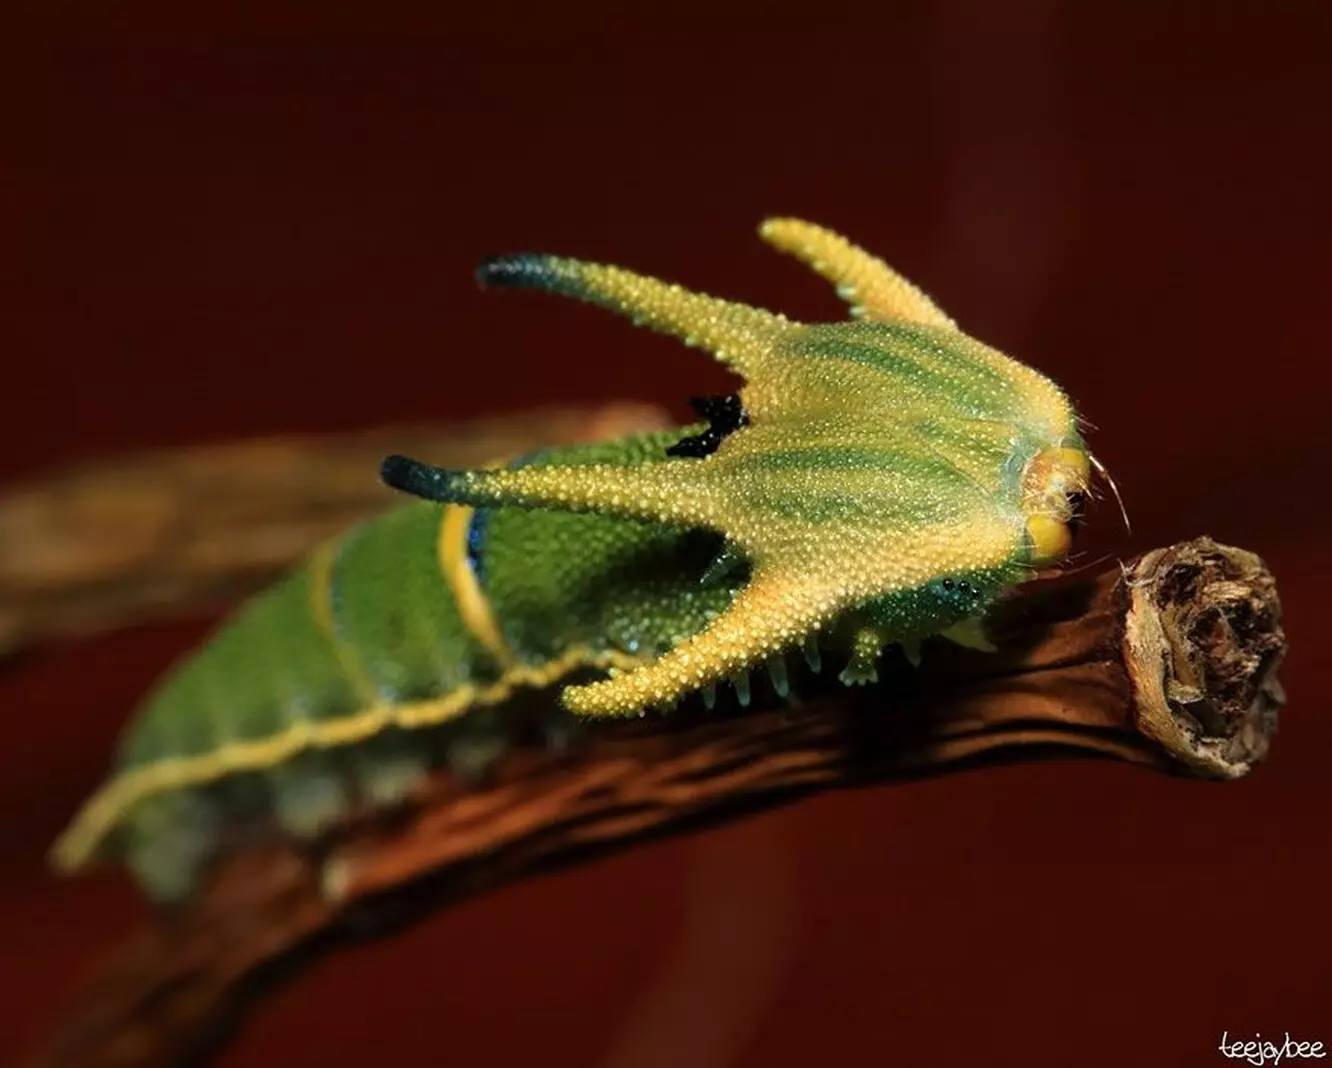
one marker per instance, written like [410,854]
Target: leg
[866,648]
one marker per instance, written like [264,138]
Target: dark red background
[267,223]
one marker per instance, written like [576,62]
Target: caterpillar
[875,481]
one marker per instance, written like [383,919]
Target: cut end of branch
[1203,642]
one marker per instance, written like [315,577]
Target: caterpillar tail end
[66,857]
[80,842]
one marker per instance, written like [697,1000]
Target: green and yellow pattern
[894,476]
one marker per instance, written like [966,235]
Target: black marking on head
[725,415]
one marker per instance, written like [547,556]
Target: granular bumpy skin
[875,482]
[890,470]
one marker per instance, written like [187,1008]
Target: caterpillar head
[1054,485]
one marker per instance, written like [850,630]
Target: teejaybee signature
[876,482]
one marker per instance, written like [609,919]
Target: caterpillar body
[875,482]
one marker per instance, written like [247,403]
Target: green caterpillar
[876,481]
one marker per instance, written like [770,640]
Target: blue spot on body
[476,541]
[480,523]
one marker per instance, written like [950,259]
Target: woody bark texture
[176,531]
[1168,662]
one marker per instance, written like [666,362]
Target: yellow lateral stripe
[76,846]
[321,607]
[475,610]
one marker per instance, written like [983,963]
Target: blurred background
[265,220]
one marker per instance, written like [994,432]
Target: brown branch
[1169,664]
[174,531]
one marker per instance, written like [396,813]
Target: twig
[190,530]
[1169,663]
